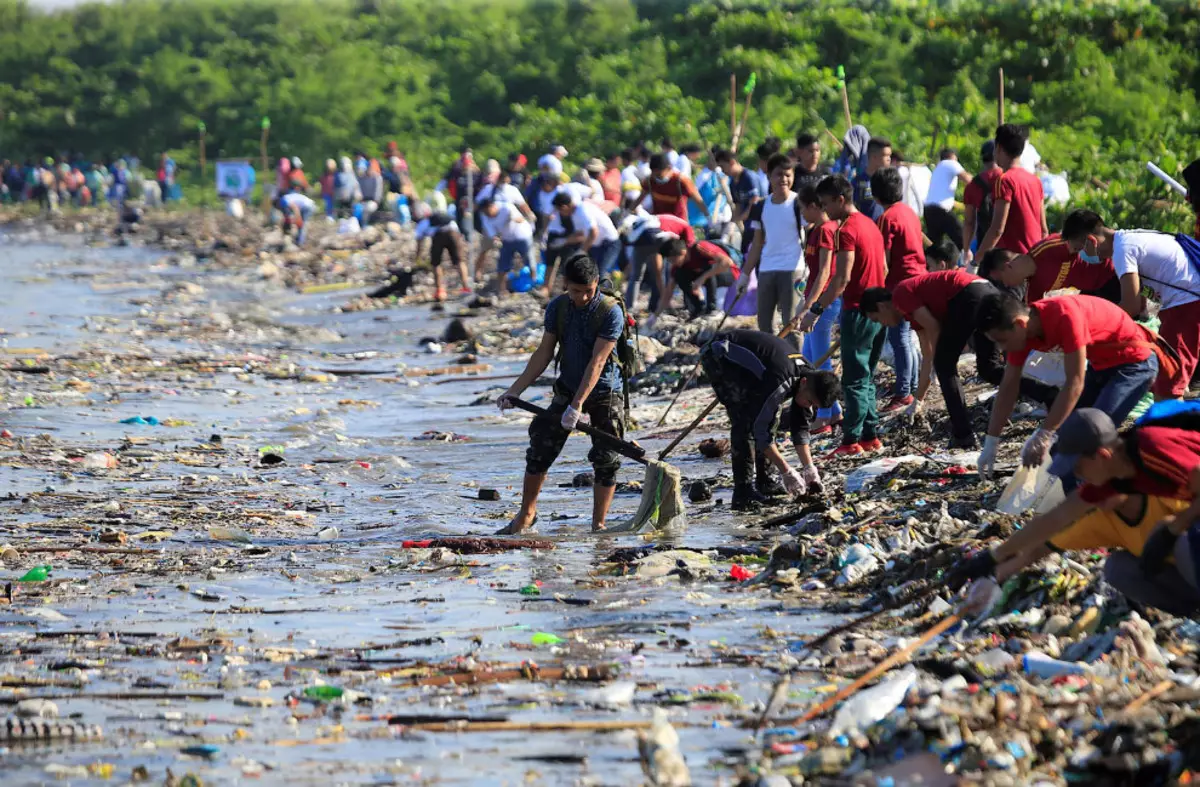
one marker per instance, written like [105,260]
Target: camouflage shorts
[606,412]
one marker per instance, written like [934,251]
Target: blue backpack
[1191,247]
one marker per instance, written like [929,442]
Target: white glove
[505,401]
[794,483]
[570,418]
[743,283]
[813,479]
[982,597]
[650,321]
[1036,447]
[807,322]
[913,410]
[987,457]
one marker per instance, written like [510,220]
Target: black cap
[1085,432]
[988,151]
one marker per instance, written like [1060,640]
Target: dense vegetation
[1105,85]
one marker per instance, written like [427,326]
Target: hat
[988,151]
[594,165]
[297,163]
[1085,432]
[560,151]
[493,165]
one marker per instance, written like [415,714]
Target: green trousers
[862,344]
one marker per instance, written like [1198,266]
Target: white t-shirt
[783,249]
[915,178]
[425,229]
[684,165]
[944,184]
[579,192]
[508,193]
[297,201]
[545,201]
[586,216]
[631,183]
[1161,264]
[508,224]
[673,158]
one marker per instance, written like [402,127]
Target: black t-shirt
[772,371]
[805,180]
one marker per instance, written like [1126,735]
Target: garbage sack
[662,501]
[747,305]
[659,564]
[873,704]
[348,226]
[1031,488]
[858,480]
[1046,368]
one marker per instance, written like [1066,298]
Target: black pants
[445,243]
[941,223]
[957,329]
[742,396]
[1109,291]
[694,305]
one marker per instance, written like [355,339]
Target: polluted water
[247,536]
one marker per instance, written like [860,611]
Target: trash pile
[247,534]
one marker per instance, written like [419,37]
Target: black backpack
[756,214]
[627,350]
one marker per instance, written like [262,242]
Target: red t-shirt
[931,290]
[1071,322]
[1165,460]
[670,198]
[902,238]
[610,181]
[1023,192]
[1057,267]
[819,237]
[702,256]
[678,227]
[860,235]
[974,195]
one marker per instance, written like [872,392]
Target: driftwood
[468,545]
[595,673]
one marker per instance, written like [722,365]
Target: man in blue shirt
[744,189]
[583,326]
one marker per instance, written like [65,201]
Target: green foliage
[1106,85]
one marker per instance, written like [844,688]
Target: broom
[662,500]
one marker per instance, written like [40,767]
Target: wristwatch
[816,309]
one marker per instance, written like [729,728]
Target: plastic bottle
[323,692]
[1041,665]
[36,574]
[544,638]
[531,590]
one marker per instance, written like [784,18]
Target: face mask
[661,180]
[1090,259]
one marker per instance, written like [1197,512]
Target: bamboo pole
[899,657]
[262,152]
[607,725]
[1159,690]
[841,74]
[732,105]
[1000,97]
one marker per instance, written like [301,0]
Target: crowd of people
[56,182]
[842,256]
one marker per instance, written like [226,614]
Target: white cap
[560,151]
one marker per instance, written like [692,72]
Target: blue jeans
[640,259]
[908,360]
[605,256]
[510,249]
[305,217]
[1117,392]
[816,344]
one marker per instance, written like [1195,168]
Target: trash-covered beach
[247,536]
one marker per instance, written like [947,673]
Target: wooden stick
[732,105]
[1000,98]
[844,627]
[846,105]
[90,550]
[594,674]
[609,725]
[463,368]
[123,695]
[688,429]
[896,658]
[623,447]
[692,374]
[833,136]
[1157,691]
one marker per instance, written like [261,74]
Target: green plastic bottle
[36,574]
[531,590]
[323,692]
[544,638]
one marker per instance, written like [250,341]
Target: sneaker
[872,446]
[820,430]
[898,403]
[439,296]
[844,451]
[465,291]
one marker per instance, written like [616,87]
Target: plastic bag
[858,480]
[1031,488]
[874,704]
